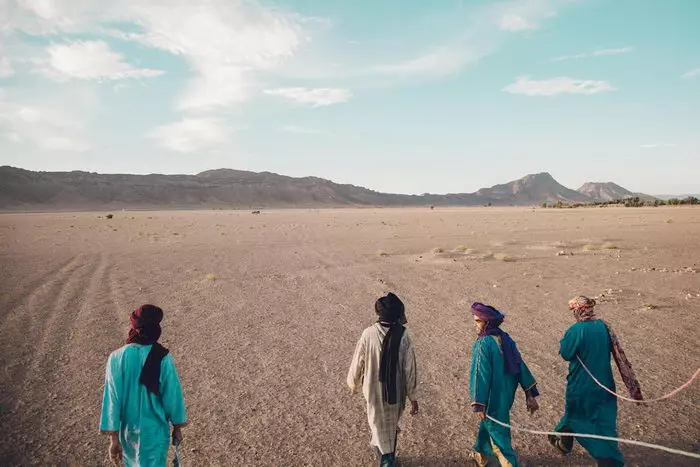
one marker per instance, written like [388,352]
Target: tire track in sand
[19,332]
[11,305]
[94,335]
[40,384]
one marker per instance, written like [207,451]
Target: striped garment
[364,372]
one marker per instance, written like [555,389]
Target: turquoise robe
[141,418]
[589,408]
[493,388]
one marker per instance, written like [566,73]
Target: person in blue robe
[142,395]
[589,408]
[497,369]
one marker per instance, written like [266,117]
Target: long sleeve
[569,343]
[480,375]
[171,391]
[110,418]
[410,370]
[527,381]
[357,366]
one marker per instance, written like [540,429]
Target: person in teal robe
[497,369]
[142,395]
[589,408]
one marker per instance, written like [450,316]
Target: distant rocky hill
[27,190]
[608,191]
[531,189]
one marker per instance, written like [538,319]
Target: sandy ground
[263,348]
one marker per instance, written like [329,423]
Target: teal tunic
[493,388]
[141,418]
[589,408]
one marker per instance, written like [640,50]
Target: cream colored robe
[364,371]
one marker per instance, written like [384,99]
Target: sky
[404,96]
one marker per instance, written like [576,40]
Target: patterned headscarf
[583,311]
[583,308]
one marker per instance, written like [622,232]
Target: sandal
[479,459]
[558,443]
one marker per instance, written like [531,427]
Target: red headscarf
[145,325]
[145,330]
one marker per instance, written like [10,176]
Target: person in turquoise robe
[589,408]
[142,395]
[497,369]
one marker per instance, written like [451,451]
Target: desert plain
[262,313]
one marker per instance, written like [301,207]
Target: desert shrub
[504,257]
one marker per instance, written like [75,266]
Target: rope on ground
[605,438]
[644,401]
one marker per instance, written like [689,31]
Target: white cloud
[479,36]
[93,60]
[190,134]
[302,130]
[555,86]
[6,69]
[618,51]
[525,15]
[49,127]
[690,74]
[443,61]
[657,145]
[595,53]
[317,97]
[62,143]
[224,42]
[514,22]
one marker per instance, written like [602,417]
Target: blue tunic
[141,418]
[493,388]
[589,408]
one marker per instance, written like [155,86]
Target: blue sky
[397,95]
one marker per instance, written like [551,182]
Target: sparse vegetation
[210,277]
[590,247]
[633,202]
[109,216]
[382,253]
[437,250]
[609,246]
[504,257]
[460,249]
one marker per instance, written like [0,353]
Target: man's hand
[481,415]
[177,434]
[531,404]
[414,407]
[115,448]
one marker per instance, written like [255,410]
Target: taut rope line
[605,438]
[644,401]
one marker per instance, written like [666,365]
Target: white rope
[605,438]
[643,401]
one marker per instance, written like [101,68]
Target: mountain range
[28,190]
